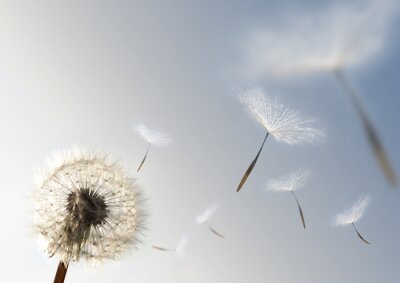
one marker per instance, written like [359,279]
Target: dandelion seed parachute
[291,183]
[153,137]
[87,208]
[279,121]
[342,34]
[206,215]
[354,214]
[180,250]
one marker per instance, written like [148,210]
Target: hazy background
[86,72]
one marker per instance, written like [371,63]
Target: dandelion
[279,121]
[344,35]
[291,183]
[352,215]
[153,137]
[206,215]
[87,208]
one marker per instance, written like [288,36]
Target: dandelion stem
[144,158]
[61,272]
[372,135]
[248,171]
[300,210]
[359,235]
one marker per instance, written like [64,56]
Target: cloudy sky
[87,73]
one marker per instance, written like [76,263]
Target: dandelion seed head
[280,121]
[207,214]
[152,136]
[289,183]
[86,207]
[353,214]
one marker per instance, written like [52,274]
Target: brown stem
[61,272]
[359,235]
[248,171]
[300,210]
[215,232]
[144,158]
[370,132]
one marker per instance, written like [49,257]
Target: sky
[87,73]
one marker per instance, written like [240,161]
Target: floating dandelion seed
[206,215]
[87,208]
[344,35]
[372,135]
[279,121]
[352,215]
[291,183]
[180,250]
[153,138]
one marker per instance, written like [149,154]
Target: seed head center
[86,208]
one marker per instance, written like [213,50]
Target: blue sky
[87,73]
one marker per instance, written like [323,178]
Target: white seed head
[342,34]
[289,183]
[353,214]
[280,121]
[152,136]
[207,214]
[86,207]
